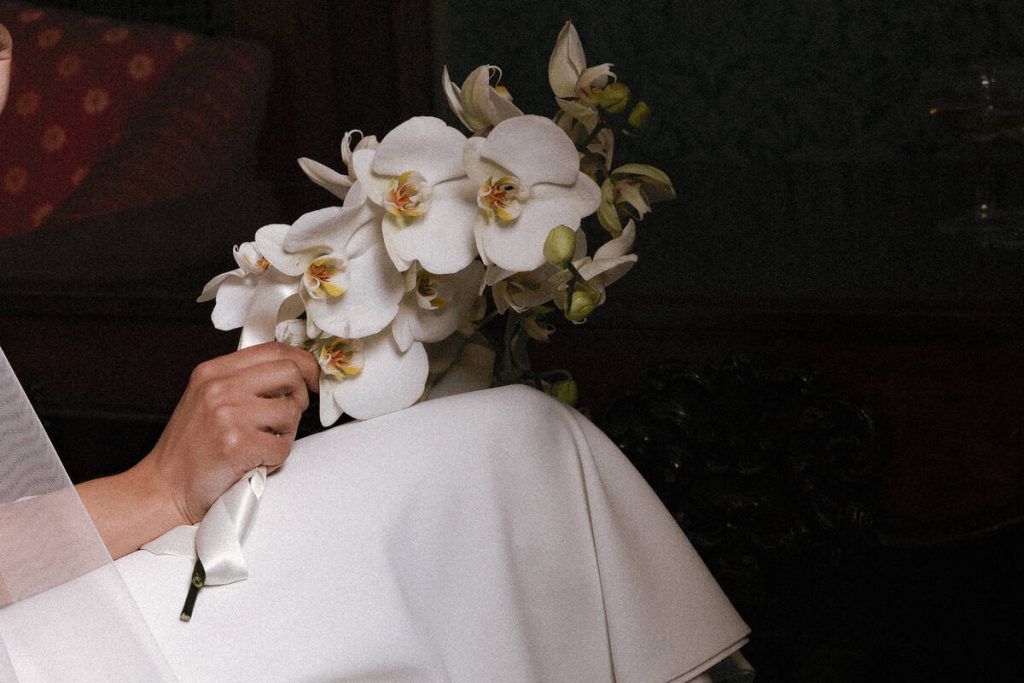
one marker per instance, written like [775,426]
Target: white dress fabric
[487,536]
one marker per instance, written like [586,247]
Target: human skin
[6,51]
[238,412]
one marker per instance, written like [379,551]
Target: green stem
[601,125]
[486,319]
[198,581]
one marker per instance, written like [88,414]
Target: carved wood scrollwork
[773,473]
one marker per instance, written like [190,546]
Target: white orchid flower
[368,377]
[349,287]
[329,179]
[416,176]
[479,105]
[610,262]
[251,296]
[435,306]
[575,85]
[528,174]
[629,191]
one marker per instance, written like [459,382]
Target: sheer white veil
[65,613]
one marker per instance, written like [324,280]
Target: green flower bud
[585,298]
[638,117]
[614,97]
[566,391]
[560,246]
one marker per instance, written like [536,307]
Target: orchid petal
[520,247]
[476,96]
[620,246]
[369,304]
[270,242]
[535,149]
[330,411]
[365,142]
[403,328]
[502,107]
[329,228]
[452,94]
[587,116]
[234,296]
[595,77]
[633,194]
[603,272]
[374,186]
[424,144]
[567,62]
[442,240]
[478,168]
[433,325]
[326,177]
[527,289]
[210,289]
[390,380]
[647,172]
[496,274]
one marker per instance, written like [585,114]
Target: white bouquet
[386,289]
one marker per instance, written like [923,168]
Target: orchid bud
[566,391]
[638,117]
[560,246]
[614,97]
[585,298]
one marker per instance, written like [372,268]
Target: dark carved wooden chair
[775,475]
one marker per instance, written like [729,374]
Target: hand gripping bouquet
[441,236]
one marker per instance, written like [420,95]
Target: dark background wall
[796,130]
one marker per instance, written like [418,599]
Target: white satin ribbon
[218,539]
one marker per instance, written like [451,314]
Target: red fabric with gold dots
[75,82]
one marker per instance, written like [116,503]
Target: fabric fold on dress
[493,535]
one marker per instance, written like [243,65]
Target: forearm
[129,509]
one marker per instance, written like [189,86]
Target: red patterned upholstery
[105,116]
[75,82]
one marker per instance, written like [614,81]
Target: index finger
[268,352]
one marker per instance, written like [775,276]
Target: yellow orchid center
[426,292]
[341,358]
[321,278]
[407,196]
[500,198]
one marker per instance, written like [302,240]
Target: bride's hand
[238,412]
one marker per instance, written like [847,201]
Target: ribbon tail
[223,531]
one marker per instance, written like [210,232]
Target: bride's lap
[481,536]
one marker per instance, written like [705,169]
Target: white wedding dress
[487,536]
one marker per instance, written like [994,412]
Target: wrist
[155,496]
